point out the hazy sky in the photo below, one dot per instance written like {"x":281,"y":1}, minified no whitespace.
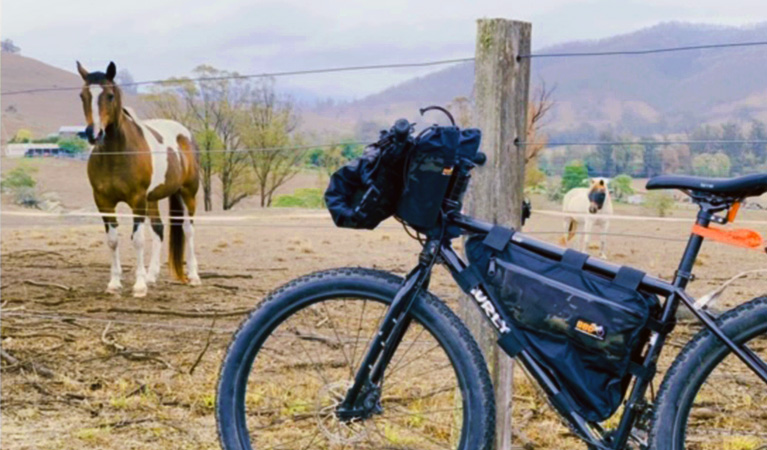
{"x":161,"y":38}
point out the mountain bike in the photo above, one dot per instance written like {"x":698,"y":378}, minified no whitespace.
{"x":363,"y":358}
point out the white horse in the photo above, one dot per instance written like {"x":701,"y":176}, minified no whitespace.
{"x":590,"y":206}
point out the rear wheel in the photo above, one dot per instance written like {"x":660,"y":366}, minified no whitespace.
{"x":293,"y":359}
{"x":709,"y":398}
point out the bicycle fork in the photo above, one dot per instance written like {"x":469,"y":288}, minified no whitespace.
{"x":363,"y":397}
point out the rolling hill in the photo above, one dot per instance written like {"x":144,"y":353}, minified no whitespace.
{"x":649,"y":94}
{"x":42,"y":113}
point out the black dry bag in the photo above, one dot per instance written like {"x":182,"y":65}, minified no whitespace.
{"x":365,"y":191}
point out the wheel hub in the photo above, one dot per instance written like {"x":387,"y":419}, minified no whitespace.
{"x":338,"y":425}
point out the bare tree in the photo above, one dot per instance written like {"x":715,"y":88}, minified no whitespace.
{"x":9,"y":47}
{"x":125,"y":80}
{"x":539,"y":107}
{"x":211,"y":108}
{"x":269,"y":126}
{"x":540,"y":104}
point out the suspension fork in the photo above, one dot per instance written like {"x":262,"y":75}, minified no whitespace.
{"x":390,"y":333}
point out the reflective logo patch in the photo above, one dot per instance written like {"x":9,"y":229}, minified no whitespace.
{"x":591,"y":329}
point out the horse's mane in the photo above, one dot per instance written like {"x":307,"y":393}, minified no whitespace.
{"x":130,"y":113}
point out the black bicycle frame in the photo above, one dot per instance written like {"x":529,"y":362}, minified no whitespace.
{"x":394,"y":325}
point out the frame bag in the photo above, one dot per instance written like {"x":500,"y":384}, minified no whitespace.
{"x":587,"y":330}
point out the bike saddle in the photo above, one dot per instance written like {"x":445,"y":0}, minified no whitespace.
{"x":737,"y":187}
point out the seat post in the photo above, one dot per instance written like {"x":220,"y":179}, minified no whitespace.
{"x":684,"y":271}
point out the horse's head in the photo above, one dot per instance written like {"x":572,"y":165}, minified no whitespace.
{"x":597,"y":194}
{"x":102,"y":102}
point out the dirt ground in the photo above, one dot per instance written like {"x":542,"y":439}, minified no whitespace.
{"x":98,"y":371}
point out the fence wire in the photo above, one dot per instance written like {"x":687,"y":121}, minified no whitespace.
{"x":171,"y":82}
{"x":683,"y":48}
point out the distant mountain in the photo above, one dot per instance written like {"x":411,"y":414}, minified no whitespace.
{"x":43,"y":112}
{"x":642,"y":94}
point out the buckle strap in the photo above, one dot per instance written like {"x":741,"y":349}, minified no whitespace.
{"x":641,"y":371}
{"x":498,"y":238}
{"x":574,"y":258}
{"x":659,"y":327}
{"x":629,"y":277}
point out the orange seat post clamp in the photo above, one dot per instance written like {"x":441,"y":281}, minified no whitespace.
{"x":743,"y":238}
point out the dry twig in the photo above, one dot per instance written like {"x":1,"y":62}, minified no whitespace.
{"x":46,"y":284}
{"x":37,"y":368}
{"x":204,"y":349}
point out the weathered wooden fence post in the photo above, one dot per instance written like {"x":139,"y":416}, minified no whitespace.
{"x":501,"y":85}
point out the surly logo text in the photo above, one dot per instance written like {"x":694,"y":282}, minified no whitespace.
{"x":489,"y":310}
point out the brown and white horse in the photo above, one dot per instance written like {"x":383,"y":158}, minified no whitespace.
{"x":140,"y":162}
{"x":589,"y":206}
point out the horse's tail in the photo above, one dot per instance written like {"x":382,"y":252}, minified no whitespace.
{"x":176,"y":249}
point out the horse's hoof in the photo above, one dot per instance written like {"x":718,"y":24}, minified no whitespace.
{"x":195,"y":281}
{"x":151,"y":278}
{"x":139,"y":291}
{"x":114,"y":288}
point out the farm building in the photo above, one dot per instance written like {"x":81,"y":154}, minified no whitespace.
{"x":31,"y":149}
{"x":71,"y":131}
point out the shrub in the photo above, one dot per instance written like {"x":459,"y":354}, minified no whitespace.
{"x":26,"y":196}
{"x":20,"y":177}
{"x":621,"y":186}
{"x":554,"y":191}
{"x":21,"y":184}
{"x":301,"y":198}
{"x":576,"y":175}
{"x":22,"y":136}
{"x":708,"y":165}
{"x":659,"y":202}
{"x":535,"y":179}
{"x":73,"y":145}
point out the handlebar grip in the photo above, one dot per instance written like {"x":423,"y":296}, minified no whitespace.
{"x":401,"y":129}
{"x":480,"y":159}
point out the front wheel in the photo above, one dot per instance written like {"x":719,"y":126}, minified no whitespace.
{"x":292,"y":360}
{"x":709,"y":399}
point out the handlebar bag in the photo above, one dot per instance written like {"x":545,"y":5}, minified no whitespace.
{"x":586,"y":330}
{"x":428,"y":172}
{"x":365,"y":191}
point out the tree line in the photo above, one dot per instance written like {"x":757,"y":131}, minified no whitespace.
{"x":647,"y":157}
{"x":246,"y":133}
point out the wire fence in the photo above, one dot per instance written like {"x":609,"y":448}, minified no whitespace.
{"x":251,"y":221}
{"x":683,"y":48}
{"x":170,"y":82}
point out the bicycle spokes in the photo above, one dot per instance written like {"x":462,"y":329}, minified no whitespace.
{"x":307,"y":366}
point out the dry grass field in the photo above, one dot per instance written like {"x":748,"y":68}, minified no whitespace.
{"x":96,"y":371}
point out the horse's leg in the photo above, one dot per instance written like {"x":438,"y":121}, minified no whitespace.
{"x":603,"y":243}
{"x":153,"y":210}
{"x":139,"y":211}
{"x":107,"y":207}
{"x":587,"y":226}
{"x":190,"y":202}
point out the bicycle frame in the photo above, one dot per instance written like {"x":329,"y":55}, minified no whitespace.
{"x":395,"y":323}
